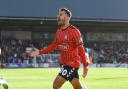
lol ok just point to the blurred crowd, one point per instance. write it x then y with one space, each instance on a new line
15 51
110 52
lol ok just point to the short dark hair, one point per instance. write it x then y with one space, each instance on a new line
68 12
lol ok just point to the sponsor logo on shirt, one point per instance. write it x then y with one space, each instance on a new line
64 46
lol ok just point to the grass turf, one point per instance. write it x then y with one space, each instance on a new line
42 78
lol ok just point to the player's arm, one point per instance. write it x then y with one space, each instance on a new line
83 56
50 48
84 60
79 44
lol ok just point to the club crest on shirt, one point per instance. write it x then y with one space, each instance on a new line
65 37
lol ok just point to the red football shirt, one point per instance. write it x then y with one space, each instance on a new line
69 42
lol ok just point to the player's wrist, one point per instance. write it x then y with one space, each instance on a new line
39 52
86 68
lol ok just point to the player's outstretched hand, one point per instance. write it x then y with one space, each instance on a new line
85 71
33 54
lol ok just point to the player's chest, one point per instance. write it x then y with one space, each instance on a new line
64 36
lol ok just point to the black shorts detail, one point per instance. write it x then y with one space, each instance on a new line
68 72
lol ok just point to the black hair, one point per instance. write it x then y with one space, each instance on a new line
68 12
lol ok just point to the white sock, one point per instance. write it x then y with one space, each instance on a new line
84 87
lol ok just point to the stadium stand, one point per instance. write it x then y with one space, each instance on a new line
107 46
14 51
111 52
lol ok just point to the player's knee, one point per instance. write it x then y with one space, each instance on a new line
55 86
77 87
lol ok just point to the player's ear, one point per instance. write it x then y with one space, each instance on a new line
68 18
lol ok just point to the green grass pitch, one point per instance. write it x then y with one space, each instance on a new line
42 78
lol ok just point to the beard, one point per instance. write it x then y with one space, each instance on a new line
60 22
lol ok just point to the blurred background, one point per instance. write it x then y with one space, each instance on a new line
25 25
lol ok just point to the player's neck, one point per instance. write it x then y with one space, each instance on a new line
65 26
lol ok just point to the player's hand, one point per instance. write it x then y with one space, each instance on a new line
85 71
33 54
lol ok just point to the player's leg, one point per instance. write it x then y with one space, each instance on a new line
61 77
77 84
58 82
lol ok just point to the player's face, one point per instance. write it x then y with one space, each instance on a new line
61 18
